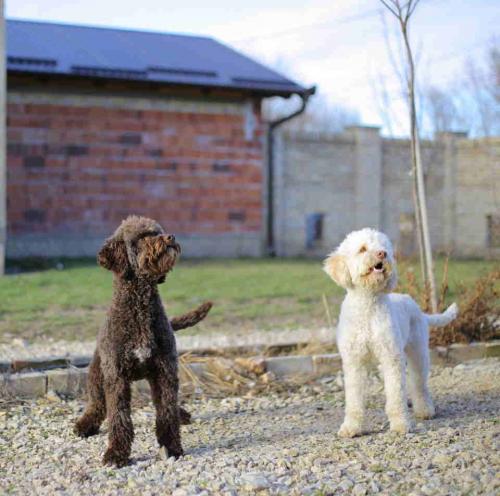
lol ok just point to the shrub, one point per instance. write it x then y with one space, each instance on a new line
479 307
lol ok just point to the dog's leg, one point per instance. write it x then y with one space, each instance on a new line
419 366
184 416
396 407
95 412
121 430
164 391
355 376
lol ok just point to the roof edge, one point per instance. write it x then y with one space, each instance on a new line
261 92
108 28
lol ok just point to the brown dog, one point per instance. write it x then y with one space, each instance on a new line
137 341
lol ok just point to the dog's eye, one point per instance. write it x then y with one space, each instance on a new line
148 234
362 249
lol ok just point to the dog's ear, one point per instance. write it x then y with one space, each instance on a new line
336 267
113 256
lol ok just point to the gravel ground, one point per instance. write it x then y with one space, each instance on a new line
276 443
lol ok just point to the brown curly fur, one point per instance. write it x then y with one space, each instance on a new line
137 341
191 318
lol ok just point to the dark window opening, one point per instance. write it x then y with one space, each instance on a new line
493 231
314 229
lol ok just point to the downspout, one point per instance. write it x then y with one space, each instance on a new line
273 125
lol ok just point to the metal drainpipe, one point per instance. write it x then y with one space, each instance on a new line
271 250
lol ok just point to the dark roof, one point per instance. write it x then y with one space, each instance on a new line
35 47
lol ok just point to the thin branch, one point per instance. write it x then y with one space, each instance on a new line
391 53
388 7
412 8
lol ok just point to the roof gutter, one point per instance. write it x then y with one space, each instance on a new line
273 125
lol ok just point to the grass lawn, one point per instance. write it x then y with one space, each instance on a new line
70 304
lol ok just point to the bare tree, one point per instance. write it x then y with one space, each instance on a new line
321 115
324 116
385 95
482 85
403 12
470 103
441 111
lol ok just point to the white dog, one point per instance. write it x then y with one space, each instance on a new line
376 325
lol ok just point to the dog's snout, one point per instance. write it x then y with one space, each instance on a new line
381 254
170 238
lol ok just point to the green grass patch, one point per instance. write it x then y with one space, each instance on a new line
71 303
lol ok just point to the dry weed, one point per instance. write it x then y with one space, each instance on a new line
479 307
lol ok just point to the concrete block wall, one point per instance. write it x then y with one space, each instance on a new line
316 176
359 179
78 164
476 195
397 195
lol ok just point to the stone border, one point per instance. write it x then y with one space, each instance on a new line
440 355
70 381
253 342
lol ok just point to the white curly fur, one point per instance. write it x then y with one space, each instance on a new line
387 328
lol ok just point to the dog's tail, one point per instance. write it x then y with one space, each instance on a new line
441 319
191 318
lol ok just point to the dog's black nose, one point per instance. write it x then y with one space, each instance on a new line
170 238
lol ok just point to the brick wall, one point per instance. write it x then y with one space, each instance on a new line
77 165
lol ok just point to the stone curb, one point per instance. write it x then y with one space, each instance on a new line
254 343
44 363
71 381
440 355
458 353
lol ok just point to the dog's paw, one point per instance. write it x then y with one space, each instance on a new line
115 458
349 430
425 412
174 452
400 426
84 428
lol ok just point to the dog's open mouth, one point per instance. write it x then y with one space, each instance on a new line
378 268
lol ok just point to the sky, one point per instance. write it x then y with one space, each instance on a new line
338 45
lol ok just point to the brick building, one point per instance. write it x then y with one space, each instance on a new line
102 123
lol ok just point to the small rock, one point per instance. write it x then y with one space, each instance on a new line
327 380
359 489
52 396
340 381
346 484
442 460
255 481
179 492
268 377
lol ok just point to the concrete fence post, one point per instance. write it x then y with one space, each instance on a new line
449 140
368 175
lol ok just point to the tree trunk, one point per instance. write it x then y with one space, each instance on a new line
421 216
